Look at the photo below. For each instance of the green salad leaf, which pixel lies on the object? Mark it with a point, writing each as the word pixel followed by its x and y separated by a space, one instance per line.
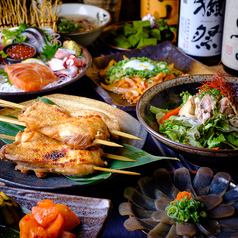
pixel 215 132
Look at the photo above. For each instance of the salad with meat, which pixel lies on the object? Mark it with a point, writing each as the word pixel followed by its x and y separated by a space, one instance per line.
pixel 208 119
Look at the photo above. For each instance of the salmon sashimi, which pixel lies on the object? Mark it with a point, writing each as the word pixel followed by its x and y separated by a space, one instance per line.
pixel 30 76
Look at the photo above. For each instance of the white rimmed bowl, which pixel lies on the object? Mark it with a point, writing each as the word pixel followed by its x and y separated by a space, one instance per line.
pixel 88 37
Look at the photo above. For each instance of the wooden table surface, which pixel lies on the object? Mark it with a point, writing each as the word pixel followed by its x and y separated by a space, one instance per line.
pixel 218 68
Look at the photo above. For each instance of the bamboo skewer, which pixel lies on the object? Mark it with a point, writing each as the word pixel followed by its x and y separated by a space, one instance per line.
pixel 11 120
pixel 4 103
pixel 115 171
pixel 7 137
pixel 108 143
pixel 123 134
pixel 117 157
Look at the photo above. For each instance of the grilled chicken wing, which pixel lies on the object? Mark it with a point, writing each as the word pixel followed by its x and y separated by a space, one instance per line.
pixel 42 154
pixel 50 120
pixel 112 124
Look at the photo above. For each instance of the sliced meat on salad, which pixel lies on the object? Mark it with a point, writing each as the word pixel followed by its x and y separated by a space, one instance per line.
pixel 208 119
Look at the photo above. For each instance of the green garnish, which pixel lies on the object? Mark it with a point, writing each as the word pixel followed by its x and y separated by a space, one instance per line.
pixel 14 35
pixel 3 73
pixel 185 96
pixel 68 27
pixel 186 209
pixel 117 71
pixel 4 55
pixel 49 51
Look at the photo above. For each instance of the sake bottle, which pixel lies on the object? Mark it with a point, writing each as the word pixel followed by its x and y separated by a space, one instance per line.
pixel 229 54
pixel 200 29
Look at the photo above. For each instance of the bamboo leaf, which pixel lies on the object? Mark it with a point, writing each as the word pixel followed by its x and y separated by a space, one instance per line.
pixel 129 151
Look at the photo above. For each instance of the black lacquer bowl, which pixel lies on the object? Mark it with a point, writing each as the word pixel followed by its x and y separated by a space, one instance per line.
pixel 147 203
pixel 10 60
pixel 167 95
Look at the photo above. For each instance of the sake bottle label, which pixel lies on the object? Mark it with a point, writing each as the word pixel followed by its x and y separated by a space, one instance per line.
pixel 230 36
pixel 201 27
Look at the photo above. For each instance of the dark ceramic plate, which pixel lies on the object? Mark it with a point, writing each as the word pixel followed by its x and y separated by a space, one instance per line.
pixel 6 95
pixel 165 51
pixel 128 124
pixel 147 203
pixel 92 212
pixel 167 95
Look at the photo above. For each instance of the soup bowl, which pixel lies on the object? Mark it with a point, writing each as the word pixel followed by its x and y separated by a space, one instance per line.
pixel 85 38
pixel 167 95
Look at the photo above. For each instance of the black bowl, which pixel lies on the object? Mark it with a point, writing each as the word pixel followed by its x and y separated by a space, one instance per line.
pixel 9 60
pixel 167 95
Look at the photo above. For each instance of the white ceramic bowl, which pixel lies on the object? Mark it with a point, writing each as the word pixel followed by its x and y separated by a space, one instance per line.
pixel 85 38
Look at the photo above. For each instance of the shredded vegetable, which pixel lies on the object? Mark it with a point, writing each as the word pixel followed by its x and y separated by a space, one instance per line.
pixel 132 77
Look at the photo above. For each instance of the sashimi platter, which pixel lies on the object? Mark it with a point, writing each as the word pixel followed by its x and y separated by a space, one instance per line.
pixel 33 56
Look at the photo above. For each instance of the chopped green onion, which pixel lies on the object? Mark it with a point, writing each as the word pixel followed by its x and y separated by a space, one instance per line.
pixel 186 209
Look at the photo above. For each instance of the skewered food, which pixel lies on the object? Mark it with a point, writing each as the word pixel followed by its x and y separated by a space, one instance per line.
pixel 57 123
pixel 30 76
pixel 112 124
pixel 42 154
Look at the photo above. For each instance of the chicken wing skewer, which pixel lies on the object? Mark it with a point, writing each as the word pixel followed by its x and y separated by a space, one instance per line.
pixel 113 125
pixel 106 155
pixel 96 141
pixel 34 151
pixel 58 124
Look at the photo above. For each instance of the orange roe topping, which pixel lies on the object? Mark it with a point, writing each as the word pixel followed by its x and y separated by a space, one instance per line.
pixel 182 195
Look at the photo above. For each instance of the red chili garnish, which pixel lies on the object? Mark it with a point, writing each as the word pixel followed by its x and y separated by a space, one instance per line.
pixel 218 81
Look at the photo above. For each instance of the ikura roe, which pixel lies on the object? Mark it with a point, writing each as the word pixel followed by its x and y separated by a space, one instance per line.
pixel 20 51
